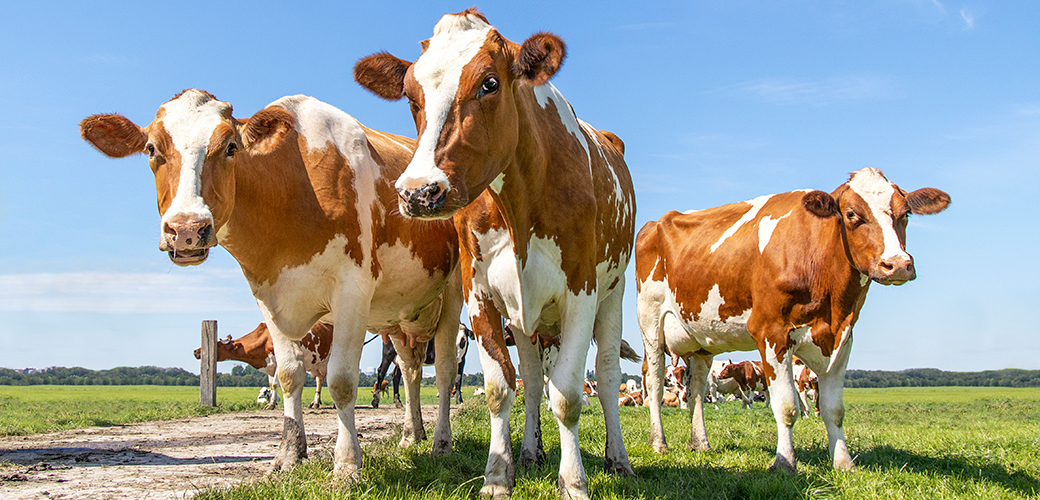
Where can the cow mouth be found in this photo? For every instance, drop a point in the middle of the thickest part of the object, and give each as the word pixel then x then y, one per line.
pixel 189 257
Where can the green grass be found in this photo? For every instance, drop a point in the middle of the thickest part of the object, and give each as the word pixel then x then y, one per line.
pixel 46 408
pixel 930 443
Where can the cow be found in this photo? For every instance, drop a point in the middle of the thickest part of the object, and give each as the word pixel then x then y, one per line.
pixel 302 196
pixel 256 349
pixel 808 386
pixel 783 274
pixel 390 357
pixel 268 397
pixel 748 377
pixel 493 130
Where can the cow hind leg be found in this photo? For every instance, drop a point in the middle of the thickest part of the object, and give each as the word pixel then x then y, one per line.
pixel 784 403
pixel 410 362
pixel 701 365
pixel 532 451
pixel 291 376
pixel 318 381
pixel 447 369
pixel 607 331
pixel 832 410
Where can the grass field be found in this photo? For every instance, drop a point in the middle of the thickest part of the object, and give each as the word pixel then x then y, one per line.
pixel 909 443
pixel 46 408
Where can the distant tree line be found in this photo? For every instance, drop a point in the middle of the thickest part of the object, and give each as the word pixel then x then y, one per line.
pixel 247 376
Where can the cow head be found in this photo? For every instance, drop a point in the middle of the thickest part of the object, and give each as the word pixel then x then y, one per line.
pixel 874 213
pixel 462 93
pixel 225 349
pixel 193 146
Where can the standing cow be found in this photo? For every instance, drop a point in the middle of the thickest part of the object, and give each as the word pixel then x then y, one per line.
pixel 256 348
pixel 302 196
pixel 748 377
pixel 784 274
pixel 488 119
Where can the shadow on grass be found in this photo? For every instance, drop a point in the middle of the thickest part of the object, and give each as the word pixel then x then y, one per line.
pixel 889 458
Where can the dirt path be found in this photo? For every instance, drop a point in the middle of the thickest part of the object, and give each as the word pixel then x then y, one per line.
pixel 168 459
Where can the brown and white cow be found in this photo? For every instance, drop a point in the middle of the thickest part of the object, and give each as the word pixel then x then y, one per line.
pixel 748 377
pixel 784 274
pixel 302 196
pixel 808 385
pixel 256 349
pixel 488 118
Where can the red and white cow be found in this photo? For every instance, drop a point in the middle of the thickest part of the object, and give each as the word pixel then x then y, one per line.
pixel 488 119
pixel 808 385
pixel 256 348
pixel 748 377
pixel 302 196
pixel 784 274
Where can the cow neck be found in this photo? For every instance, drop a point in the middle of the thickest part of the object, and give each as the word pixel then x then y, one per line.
pixel 843 285
pixel 275 209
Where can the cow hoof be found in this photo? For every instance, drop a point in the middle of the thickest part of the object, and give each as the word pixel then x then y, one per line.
pixel 781 464
pixel 660 447
pixel 619 467
pixel 530 458
pixel 315 406
pixel 441 447
pixel 699 445
pixel 495 491
pixel 573 492
pixel 398 404
pixel 845 465
pixel 270 406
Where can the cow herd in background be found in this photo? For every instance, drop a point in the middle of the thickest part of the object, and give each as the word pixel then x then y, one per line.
pixel 510 204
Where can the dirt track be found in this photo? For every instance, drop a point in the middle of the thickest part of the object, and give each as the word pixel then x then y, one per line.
pixel 168 459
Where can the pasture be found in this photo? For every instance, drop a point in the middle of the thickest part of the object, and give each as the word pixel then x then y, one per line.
pixel 935 443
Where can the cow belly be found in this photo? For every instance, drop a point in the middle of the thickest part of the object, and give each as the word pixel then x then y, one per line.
pixel 404 288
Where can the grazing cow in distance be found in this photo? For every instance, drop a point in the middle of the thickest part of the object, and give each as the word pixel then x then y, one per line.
pixel 785 274
pixel 268 397
pixel 491 127
pixel 302 196
pixel 748 377
pixel 256 349
pixel 808 385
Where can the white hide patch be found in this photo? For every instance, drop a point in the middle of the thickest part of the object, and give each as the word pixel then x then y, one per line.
pixel 456 40
pixel 766 226
pixel 756 205
pixel 877 191
pixel 548 92
pixel 190 121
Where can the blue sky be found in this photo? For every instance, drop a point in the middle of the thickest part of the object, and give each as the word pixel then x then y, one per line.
pixel 717 102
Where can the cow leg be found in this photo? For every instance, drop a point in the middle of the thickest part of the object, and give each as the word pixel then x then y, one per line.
pixel 291 376
pixel 500 392
pixel 652 327
pixel 784 403
pixel 699 366
pixel 607 331
pixel 566 387
pixel 458 382
pixel 272 383
pixel 531 450
pixel 344 359
pixel 446 362
pixel 832 405
pixel 410 361
pixel 384 365
pixel 318 381
pixel 395 378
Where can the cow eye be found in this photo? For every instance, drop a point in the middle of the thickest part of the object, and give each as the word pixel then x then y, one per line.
pixel 489 86
pixel 151 149
pixel 231 148
pixel 850 215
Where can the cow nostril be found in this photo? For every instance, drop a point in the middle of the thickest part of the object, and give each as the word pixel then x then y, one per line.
pixel 887 266
pixel 204 233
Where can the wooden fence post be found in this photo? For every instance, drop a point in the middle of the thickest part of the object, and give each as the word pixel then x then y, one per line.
pixel 208 371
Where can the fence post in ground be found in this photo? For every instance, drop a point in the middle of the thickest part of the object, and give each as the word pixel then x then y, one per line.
pixel 208 370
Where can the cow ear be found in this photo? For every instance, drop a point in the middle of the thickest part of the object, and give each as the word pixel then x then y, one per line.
pixel 382 74
pixel 266 130
pixel 820 204
pixel 114 135
pixel 539 58
pixel 927 201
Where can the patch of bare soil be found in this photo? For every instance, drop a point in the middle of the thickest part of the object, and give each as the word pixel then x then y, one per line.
pixel 168 459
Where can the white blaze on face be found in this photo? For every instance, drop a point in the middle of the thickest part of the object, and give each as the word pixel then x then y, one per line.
pixel 877 191
pixel 190 121
pixel 456 40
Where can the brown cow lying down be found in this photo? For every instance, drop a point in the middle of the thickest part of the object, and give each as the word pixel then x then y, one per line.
pixel 783 274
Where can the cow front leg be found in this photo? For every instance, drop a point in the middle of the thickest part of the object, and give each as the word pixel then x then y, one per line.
pixel 410 362
pixel 607 331
pixel 291 376
pixel 531 450
pixel 344 360
pixel 699 365
pixel 784 402
pixel 500 392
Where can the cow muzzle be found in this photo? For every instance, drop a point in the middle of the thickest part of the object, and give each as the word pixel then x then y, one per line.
pixel 425 202
pixel 894 271
pixel 187 240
